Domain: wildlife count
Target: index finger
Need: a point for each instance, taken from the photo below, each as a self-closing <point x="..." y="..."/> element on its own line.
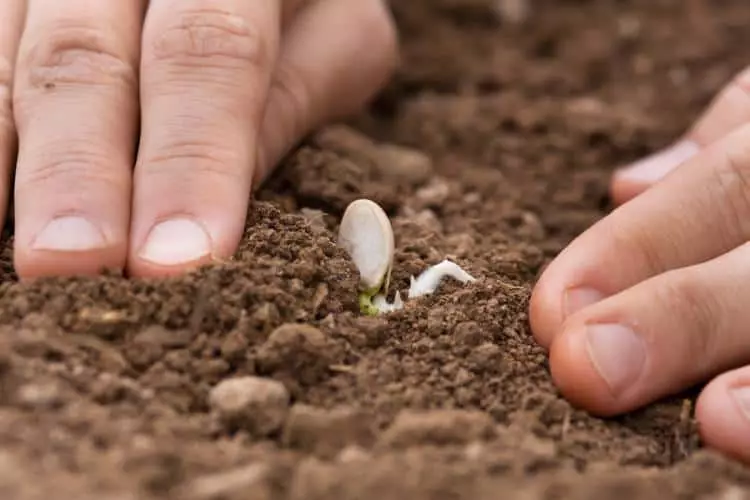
<point x="206" y="70"/>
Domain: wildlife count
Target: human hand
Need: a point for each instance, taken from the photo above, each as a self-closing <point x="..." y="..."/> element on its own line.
<point x="142" y="128"/>
<point x="654" y="298"/>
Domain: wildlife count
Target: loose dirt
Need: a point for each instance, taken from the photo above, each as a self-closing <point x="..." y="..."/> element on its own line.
<point x="258" y="379"/>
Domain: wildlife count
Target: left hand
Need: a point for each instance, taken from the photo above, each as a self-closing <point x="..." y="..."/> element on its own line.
<point x="655" y="297"/>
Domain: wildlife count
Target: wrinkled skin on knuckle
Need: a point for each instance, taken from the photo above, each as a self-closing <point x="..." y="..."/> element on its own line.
<point x="210" y="38"/>
<point x="188" y="163"/>
<point x="688" y="298"/>
<point x="76" y="55"/>
<point x="639" y="242"/>
<point x="71" y="174"/>
<point x="6" y="94"/>
<point x="292" y="92"/>
<point x="731" y="182"/>
<point x="74" y="166"/>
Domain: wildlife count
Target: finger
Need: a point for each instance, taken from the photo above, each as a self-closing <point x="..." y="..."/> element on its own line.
<point x="12" y="14"/>
<point x="336" y="55"/>
<point x="206" y="70"/>
<point x="697" y="213"/>
<point x="723" y="414"/>
<point x="75" y="103"/>
<point x="729" y="110"/>
<point x="656" y="338"/>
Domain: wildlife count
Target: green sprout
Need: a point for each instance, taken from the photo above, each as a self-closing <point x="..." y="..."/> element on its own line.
<point x="366" y="234"/>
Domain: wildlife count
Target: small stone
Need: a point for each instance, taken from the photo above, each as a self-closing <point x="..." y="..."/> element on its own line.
<point x="462" y="244"/>
<point x="255" y="404"/>
<point x="40" y="395"/>
<point x="427" y="219"/>
<point x="300" y="350"/>
<point x="104" y="323"/>
<point x="239" y="481"/>
<point x="469" y="334"/>
<point x="473" y="451"/>
<point x="487" y="358"/>
<point x="264" y="318"/>
<point x="402" y="163"/>
<point x="472" y="199"/>
<point x="513" y="11"/>
<point x="373" y="329"/>
<point x="234" y="345"/>
<point x="352" y="454"/>
<point x="437" y="427"/>
<point x="158" y="336"/>
<point x="325" y="432"/>
<point x="433" y="195"/>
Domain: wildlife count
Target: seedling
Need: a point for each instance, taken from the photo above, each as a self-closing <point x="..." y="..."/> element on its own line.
<point x="366" y="234"/>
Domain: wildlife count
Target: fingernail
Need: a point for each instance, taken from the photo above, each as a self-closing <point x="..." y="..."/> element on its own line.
<point x="617" y="353"/>
<point x="69" y="234"/>
<point x="176" y="241"/>
<point x="578" y="298"/>
<point x="658" y="165"/>
<point x="741" y="396"/>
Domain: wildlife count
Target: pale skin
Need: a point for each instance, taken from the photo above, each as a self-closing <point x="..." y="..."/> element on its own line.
<point x="137" y="132"/>
<point x="653" y="299"/>
<point x="141" y="128"/>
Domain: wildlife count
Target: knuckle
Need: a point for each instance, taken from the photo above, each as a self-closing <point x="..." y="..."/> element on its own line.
<point x="6" y="84"/>
<point x="639" y="241"/>
<point x="691" y="300"/>
<point x="210" y="37"/>
<point x="731" y="179"/>
<point x="291" y="91"/>
<point x="192" y="162"/>
<point x="73" y="168"/>
<point x="77" y="54"/>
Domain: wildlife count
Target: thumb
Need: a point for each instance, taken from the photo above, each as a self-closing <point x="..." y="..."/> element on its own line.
<point x="337" y="54"/>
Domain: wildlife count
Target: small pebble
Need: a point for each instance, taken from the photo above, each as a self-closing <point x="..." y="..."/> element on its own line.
<point x="325" y="432"/>
<point x="405" y="164"/>
<point x="255" y="404"/>
<point x="433" y="195"/>
<point x="40" y="395"/>
<point x="300" y="350"/>
<point x="514" y="11"/>
<point x="437" y="427"/>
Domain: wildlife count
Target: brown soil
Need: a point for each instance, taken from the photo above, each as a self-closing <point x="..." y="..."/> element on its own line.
<point x="512" y="130"/>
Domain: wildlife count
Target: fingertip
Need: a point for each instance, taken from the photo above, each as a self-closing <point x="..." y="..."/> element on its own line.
<point x="67" y="245"/>
<point x="723" y="424"/>
<point x="545" y="306"/>
<point x="174" y="246"/>
<point x="623" y="189"/>
<point x="576" y="377"/>
<point x="31" y="264"/>
<point x="541" y="314"/>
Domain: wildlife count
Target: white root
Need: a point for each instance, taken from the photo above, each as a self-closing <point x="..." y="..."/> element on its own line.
<point x="429" y="280"/>
<point x="381" y="302"/>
